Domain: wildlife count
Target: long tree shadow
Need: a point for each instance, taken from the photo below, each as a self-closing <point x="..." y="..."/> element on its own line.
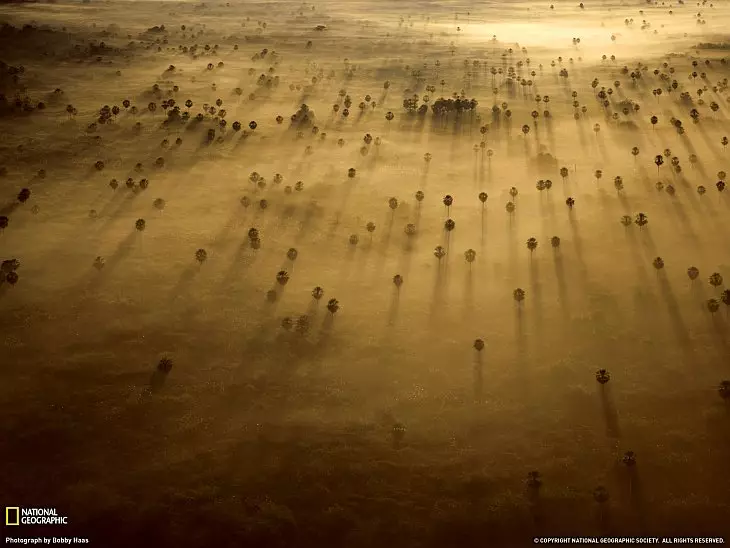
<point x="478" y="374"/>
<point x="610" y="416"/>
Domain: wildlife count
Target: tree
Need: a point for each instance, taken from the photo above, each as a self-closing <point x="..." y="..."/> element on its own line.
<point x="570" y="202"/>
<point x="598" y="174"/>
<point x="449" y="225"/>
<point x="410" y="229"/>
<point x="398" y="280"/>
<point x="715" y="279"/>
<point x="479" y="345"/>
<point x="555" y="242"/>
<point x="439" y="252"/>
<point x="164" y="365"/>
<point x="4" y="221"/>
<point x="140" y="224"/>
<point x="253" y="233"/>
<point x="23" y="195"/>
<point x="513" y="192"/>
<point x="351" y="172"/>
<point x="317" y="293"/>
<point x="159" y="204"/>
<point x="201" y="255"/>
<point x="354" y="239"/>
<point x="641" y="219"/>
<point x="333" y="306"/>
<point x="292" y="254"/>
<point x="370" y="227"/>
<point x="420" y="196"/>
<point x="470" y="256"/>
<point x="99" y="262"/>
<point x="483" y="197"/>
<point x="510" y="207"/>
<point x="713" y="305"/>
<point x="603" y="376"/>
<point x="693" y="272"/>
<point x="393" y="203"/>
<point x="532" y="244"/>
<point x="534" y="480"/>
<point x="701" y="190"/>
<point x="519" y="294"/>
<point x="448" y="201"/>
<point x="658" y="263"/>
<point x="282" y="277"/>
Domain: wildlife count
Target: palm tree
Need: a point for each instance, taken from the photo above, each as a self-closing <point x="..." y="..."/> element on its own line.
<point x="449" y="225"/>
<point x="427" y="157"/>
<point x="715" y="279"/>
<point x="658" y="263"/>
<point x="598" y="174"/>
<point x="439" y="252"/>
<point x="720" y="186"/>
<point x="370" y="227"/>
<point x="245" y="201"/>
<point x="410" y="229"/>
<point x="658" y="160"/>
<point x="629" y="458"/>
<point x="140" y="224"/>
<point x="351" y="172"/>
<point x="570" y="202"/>
<point x="564" y="173"/>
<point x="398" y="280"/>
<point x="532" y="244"/>
<point x="99" y="262"/>
<point x="12" y="277"/>
<point x="701" y="190"/>
<point x="317" y="293"/>
<point x="713" y="305"/>
<point x="393" y="203"/>
<point x="510" y="207"/>
<point x="618" y="182"/>
<point x="641" y="219"/>
<point x="3" y="222"/>
<point x="420" y="196"/>
<point x="292" y="254"/>
<point x="333" y="306"/>
<point x="555" y="242"/>
<point x="725" y="298"/>
<point x="201" y="255"/>
<point x="479" y="345"/>
<point x="693" y="272"/>
<point x="282" y="277"/>
<point x="113" y="184"/>
<point x="635" y="151"/>
<point x="525" y="129"/>
<point x="448" y="200"/>
<point x="354" y="239"/>
<point x="483" y="197"/>
<point x="23" y="195"/>
<point x="533" y="480"/>
<point x="603" y="376"/>
<point x="164" y="365"/>
<point x="253" y="233"/>
<point x="513" y="192"/>
<point x="519" y="294"/>
<point x="470" y="256"/>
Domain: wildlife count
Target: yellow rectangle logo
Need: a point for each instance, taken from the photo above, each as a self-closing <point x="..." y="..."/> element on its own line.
<point x="12" y="515"/>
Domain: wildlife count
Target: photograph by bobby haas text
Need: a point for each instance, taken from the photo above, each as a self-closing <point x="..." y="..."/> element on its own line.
<point x="46" y="540"/>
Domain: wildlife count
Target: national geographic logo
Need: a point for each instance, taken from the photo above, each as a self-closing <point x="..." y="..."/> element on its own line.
<point x="15" y="515"/>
